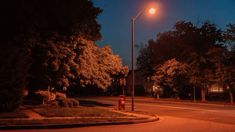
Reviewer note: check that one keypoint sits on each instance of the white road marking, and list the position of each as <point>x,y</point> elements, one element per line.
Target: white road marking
<point>175,107</point>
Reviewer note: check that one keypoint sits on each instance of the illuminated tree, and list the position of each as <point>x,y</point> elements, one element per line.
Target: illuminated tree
<point>80,63</point>
<point>173,74</point>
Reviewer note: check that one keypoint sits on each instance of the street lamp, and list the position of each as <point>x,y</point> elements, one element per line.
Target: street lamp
<point>151,11</point>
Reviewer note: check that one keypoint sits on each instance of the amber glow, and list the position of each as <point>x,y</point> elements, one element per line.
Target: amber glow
<point>152,11</point>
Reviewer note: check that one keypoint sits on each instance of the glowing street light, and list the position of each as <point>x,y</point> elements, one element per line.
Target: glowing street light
<point>151,11</point>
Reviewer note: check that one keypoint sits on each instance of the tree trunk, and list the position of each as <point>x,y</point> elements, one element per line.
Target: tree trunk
<point>203,95</point>
<point>231,97</point>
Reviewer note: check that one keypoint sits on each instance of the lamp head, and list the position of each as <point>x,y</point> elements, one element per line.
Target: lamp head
<point>152,11</point>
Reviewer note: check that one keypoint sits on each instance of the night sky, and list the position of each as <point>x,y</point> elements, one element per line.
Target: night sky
<point>116,19</point>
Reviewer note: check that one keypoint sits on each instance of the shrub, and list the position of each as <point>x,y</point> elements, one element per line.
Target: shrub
<point>68,102</point>
<point>46,95</point>
<point>54,103</point>
<point>74,101</point>
<point>63,102</point>
<point>60,95</point>
<point>59,99</point>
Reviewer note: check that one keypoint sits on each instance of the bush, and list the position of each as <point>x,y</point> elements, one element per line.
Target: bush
<point>60,95</point>
<point>74,101</point>
<point>47,96</point>
<point>54,103</point>
<point>59,99</point>
<point>68,102</point>
<point>43,94</point>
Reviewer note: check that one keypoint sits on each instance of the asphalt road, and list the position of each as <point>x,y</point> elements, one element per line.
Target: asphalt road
<point>174,117</point>
<point>206,112</point>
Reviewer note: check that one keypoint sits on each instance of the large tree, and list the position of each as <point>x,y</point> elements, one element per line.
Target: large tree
<point>78,62</point>
<point>227,72</point>
<point>173,74</point>
<point>27,26</point>
<point>187,43</point>
<point>23,17</point>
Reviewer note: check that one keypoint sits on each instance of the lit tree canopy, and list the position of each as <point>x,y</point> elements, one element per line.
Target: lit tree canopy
<point>80,61</point>
<point>170,73</point>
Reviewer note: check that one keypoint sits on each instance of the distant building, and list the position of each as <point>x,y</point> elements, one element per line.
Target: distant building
<point>216,88</point>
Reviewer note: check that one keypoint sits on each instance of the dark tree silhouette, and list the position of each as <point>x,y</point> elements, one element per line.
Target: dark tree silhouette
<point>26,26</point>
<point>186,43</point>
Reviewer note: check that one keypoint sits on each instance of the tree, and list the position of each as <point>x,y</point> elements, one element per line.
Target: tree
<point>79,63</point>
<point>172,73</point>
<point>25,17</point>
<point>144,60</point>
<point>187,43</point>
<point>26,27</point>
<point>228,71</point>
<point>97,66</point>
<point>229,36</point>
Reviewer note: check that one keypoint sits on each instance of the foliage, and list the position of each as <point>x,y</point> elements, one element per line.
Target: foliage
<point>27,17</point>
<point>144,60</point>
<point>79,62</point>
<point>67,102</point>
<point>185,39</point>
<point>172,73</point>
<point>57,99</point>
<point>27,26</point>
<point>200,47</point>
<point>229,36</point>
<point>97,65</point>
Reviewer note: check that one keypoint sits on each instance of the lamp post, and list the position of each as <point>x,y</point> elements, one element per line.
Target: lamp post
<point>151,11</point>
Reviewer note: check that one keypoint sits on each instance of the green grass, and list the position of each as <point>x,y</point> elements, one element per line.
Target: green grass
<point>16,114</point>
<point>80,111</point>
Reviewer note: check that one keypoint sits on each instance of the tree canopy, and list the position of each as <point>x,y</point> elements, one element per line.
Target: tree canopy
<point>52,43</point>
<point>202,48</point>
<point>24,18</point>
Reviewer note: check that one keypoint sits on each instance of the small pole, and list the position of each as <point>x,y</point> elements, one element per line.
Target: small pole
<point>194,94</point>
<point>132,63</point>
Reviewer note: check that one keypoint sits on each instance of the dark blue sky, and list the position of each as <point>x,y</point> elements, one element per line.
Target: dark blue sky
<point>116,19</point>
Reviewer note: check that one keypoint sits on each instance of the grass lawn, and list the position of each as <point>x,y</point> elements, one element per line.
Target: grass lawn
<point>87,115</point>
<point>80,111</point>
<point>16,114</point>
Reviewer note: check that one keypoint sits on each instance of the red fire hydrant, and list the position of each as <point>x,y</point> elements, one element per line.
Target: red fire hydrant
<point>121,102</point>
